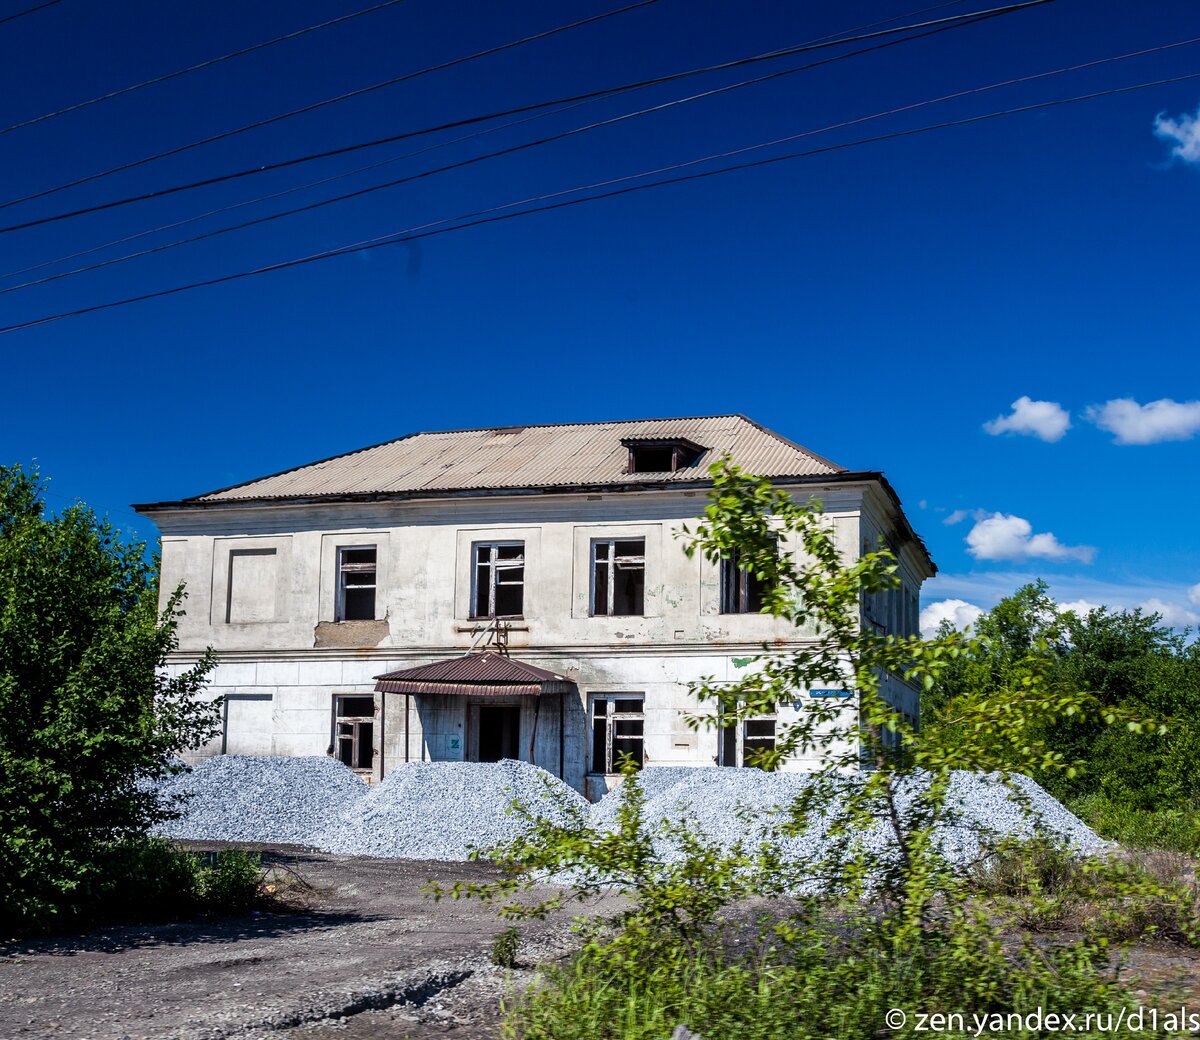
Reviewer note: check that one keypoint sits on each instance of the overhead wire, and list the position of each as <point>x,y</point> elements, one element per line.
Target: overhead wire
<point>29,10</point>
<point>314,106</point>
<point>491,155</point>
<point>456,124</point>
<point>206,64</point>
<point>542,107</point>
<point>494,215</point>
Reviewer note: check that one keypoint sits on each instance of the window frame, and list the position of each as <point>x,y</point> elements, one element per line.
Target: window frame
<point>494,570</point>
<point>341,569</point>
<point>738,736</point>
<point>610,563</point>
<point>611,716</point>
<point>356,724</point>
<point>745,582</point>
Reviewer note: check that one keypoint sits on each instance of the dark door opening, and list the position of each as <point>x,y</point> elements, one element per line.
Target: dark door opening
<point>499,732</point>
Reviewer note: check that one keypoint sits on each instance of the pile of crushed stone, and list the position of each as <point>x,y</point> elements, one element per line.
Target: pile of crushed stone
<point>259,798</point>
<point>731,805</point>
<point>443,810</point>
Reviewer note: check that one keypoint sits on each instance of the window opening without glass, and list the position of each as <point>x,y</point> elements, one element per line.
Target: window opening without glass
<point>618,577</point>
<point>618,723</point>
<point>356,583</point>
<point>498,580</point>
<point>354,731</point>
<point>741,591</point>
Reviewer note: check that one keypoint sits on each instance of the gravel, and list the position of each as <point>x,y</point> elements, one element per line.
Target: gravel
<point>731,805</point>
<point>268,798</point>
<point>442,810</point>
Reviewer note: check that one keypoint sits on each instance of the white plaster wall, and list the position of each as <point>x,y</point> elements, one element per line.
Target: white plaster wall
<point>424,597</point>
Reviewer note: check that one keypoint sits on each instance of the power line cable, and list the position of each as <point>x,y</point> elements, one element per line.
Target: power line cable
<point>251,171</point>
<point>434,228</point>
<point>198,66</point>
<point>28,10</point>
<point>541,107</point>
<point>491,155</point>
<point>314,106</point>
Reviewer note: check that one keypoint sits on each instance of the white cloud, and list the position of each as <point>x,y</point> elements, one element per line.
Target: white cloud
<point>1194,594</point>
<point>1184,131</point>
<point>961,614</point>
<point>957,517</point>
<point>1082,607</point>
<point>1173,614</point>
<point>1001,536</point>
<point>1047,420</point>
<point>1134,423</point>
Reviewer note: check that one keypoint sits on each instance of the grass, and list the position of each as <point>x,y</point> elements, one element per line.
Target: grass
<point>1173,829</point>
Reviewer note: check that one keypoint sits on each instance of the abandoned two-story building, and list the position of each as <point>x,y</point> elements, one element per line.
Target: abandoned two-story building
<point>517,592</point>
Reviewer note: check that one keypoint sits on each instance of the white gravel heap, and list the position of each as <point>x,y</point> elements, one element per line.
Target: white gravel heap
<point>442,810</point>
<point>728,805</point>
<point>260,798</point>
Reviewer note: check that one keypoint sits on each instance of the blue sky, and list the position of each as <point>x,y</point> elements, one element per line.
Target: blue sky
<point>879,304</point>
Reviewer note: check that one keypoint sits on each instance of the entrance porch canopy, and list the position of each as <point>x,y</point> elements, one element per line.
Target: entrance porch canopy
<point>484,674</point>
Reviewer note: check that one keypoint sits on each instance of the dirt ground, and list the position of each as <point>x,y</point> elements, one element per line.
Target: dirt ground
<point>372,957</point>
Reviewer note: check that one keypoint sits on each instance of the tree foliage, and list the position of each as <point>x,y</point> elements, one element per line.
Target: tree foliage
<point>1128,662</point>
<point>88,717</point>
<point>874,913</point>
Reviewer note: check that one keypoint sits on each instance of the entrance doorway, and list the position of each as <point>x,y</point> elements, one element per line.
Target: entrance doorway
<point>499,732</point>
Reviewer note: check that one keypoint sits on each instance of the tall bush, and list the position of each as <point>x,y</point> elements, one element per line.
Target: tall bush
<point>89,719</point>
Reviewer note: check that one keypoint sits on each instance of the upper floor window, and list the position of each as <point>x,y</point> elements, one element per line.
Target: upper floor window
<point>618,577</point>
<point>498,588</point>
<point>661,455</point>
<point>741,590</point>
<point>356,583</point>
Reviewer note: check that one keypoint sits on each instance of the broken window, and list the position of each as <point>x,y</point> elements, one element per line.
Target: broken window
<point>741,742</point>
<point>662,456</point>
<point>356,583</point>
<point>354,731</point>
<point>499,580</point>
<point>618,721</point>
<point>741,590</point>
<point>618,577</point>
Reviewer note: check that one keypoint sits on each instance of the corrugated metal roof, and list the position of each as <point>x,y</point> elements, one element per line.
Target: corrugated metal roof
<point>476,674</point>
<point>518,457</point>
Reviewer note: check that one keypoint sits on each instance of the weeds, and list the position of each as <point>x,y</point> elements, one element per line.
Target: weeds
<point>504,948</point>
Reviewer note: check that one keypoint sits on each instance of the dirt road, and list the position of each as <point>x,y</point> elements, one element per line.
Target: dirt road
<point>372,958</point>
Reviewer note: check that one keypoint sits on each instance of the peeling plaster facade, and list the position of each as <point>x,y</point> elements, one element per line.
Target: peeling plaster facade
<point>262,577</point>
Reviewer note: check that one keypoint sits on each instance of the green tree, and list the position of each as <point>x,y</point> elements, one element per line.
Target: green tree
<point>88,717</point>
<point>866,924</point>
<point>1130,664</point>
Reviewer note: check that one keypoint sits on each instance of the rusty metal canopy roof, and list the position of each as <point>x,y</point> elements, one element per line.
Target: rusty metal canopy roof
<point>530,457</point>
<point>485,674</point>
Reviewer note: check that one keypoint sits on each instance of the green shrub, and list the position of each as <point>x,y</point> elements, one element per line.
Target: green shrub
<point>88,717</point>
<point>1176,828</point>
<point>144,880</point>
<point>504,948</point>
<point>233,883</point>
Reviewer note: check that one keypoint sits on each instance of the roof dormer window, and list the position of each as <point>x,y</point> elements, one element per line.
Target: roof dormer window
<point>663,455</point>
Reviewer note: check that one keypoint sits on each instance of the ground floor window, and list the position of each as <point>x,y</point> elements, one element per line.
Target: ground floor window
<point>741,741</point>
<point>354,731</point>
<point>618,725</point>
